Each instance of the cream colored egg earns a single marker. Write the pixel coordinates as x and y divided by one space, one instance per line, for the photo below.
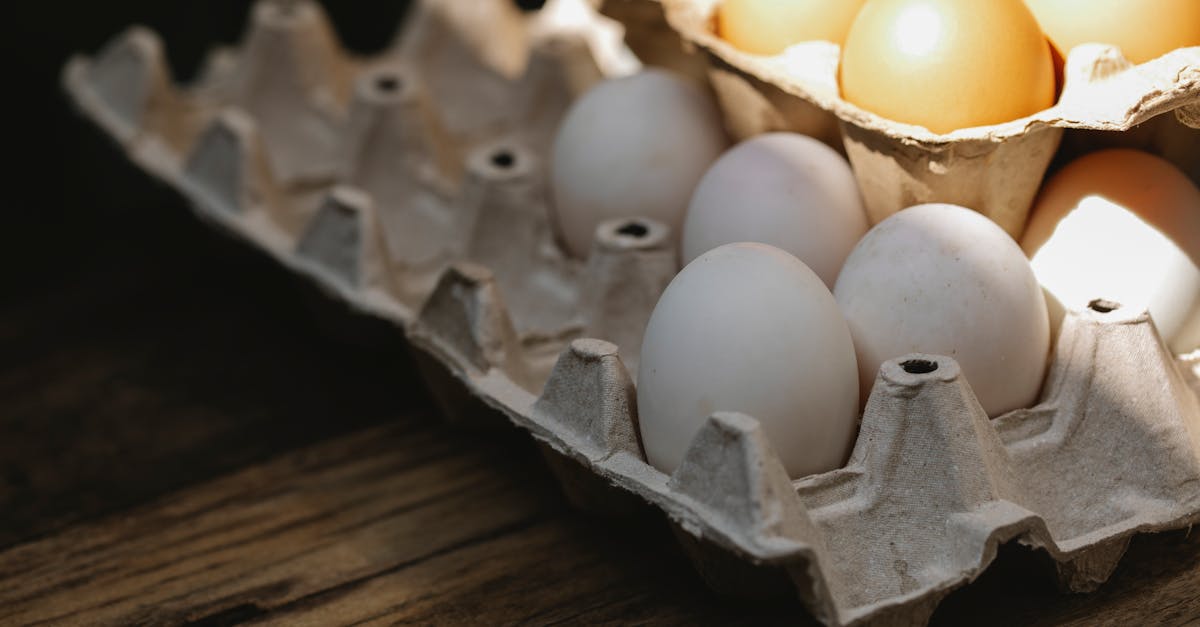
1124 226
749 328
769 26
945 280
632 146
947 64
783 189
1142 29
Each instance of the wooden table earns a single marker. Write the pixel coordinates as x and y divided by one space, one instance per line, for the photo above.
188 434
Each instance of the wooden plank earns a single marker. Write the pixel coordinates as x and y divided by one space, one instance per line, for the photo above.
269 535
417 524
1157 583
159 366
392 523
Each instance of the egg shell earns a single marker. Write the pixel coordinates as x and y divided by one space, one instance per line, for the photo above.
770 26
632 146
943 279
947 64
782 189
748 328
1143 30
1124 226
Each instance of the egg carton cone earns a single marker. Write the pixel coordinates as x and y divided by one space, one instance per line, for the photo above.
374 175
993 169
412 185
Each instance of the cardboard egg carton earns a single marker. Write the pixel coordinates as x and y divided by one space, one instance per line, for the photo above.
429 153
993 169
412 186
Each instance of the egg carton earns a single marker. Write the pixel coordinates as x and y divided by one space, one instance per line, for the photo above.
412 186
993 169
374 175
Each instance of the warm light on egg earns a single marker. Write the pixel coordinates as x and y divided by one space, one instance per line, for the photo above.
1142 29
1128 261
947 64
918 29
768 27
1124 226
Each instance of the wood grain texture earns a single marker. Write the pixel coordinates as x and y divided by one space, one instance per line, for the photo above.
1157 583
392 523
408 522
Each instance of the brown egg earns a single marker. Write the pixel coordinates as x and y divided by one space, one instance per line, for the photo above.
767 27
1143 29
1124 226
947 64
1145 184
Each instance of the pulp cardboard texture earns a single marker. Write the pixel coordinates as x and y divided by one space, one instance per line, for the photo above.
995 169
412 186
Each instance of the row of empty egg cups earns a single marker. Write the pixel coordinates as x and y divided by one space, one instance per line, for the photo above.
587 408
392 171
898 165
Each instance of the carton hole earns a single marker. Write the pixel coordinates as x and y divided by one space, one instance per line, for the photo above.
633 229
388 83
919 366
529 5
1103 306
504 159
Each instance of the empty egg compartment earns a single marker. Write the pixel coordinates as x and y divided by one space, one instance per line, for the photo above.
438 221
374 175
993 169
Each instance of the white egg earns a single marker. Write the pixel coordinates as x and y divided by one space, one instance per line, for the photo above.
945 280
783 189
632 146
749 328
